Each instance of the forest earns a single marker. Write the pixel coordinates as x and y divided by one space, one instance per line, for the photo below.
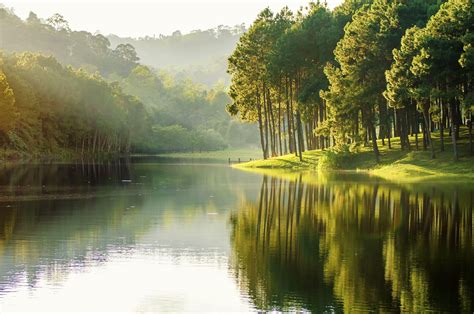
356 76
176 53
67 92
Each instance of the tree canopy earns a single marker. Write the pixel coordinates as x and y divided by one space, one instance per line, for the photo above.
363 72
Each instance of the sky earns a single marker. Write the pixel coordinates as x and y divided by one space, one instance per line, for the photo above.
141 18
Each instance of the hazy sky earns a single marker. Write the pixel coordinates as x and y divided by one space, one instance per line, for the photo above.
150 17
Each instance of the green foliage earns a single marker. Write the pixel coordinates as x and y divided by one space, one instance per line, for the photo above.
7 105
175 138
362 72
77 48
86 98
60 107
333 160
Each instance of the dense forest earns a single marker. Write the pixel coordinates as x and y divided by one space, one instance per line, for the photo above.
200 55
64 90
368 70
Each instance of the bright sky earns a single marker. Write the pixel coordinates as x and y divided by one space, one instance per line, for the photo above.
151 17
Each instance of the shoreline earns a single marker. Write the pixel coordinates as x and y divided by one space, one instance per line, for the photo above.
395 165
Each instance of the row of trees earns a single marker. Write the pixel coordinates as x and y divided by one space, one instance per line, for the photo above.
46 107
367 70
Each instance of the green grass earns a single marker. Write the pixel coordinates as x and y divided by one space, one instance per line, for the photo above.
310 160
395 165
221 155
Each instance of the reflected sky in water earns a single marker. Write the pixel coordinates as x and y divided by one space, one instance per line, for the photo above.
148 236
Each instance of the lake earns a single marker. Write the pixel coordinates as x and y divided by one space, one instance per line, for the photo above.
150 234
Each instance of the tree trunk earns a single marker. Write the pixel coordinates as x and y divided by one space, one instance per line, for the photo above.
293 127
426 114
471 148
453 130
374 142
288 118
300 135
373 135
260 127
265 116
441 125
279 121
285 146
321 120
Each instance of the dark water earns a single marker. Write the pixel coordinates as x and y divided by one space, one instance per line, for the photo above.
152 236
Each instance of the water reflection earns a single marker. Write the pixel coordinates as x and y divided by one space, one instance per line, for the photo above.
138 236
353 244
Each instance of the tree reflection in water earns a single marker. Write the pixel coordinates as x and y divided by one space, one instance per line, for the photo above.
350 244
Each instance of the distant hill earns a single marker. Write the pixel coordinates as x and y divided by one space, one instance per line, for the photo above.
200 55
54 37
178 113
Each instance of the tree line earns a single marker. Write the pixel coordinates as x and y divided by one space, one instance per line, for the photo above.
368 70
47 107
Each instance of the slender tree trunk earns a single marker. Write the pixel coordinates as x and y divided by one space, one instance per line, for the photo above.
285 146
425 133
383 117
300 135
272 124
471 148
321 121
279 119
457 117
288 118
389 135
374 142
453 130
405 124
373 136
293 127
441 125
416 125
426 114
265 116
260 126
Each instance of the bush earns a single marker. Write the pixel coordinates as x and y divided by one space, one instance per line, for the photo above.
333 160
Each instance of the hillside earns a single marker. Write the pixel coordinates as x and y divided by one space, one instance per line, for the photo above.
180 115
200 55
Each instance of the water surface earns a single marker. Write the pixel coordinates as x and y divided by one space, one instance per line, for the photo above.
148 235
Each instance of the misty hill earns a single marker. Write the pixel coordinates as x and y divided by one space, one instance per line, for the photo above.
179 114
54 37
200 55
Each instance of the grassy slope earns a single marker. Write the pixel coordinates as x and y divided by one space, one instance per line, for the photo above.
395 164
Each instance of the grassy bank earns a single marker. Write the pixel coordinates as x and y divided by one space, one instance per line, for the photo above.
65 155
222 155
397 165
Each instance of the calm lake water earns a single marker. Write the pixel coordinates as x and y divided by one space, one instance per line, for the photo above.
149 235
